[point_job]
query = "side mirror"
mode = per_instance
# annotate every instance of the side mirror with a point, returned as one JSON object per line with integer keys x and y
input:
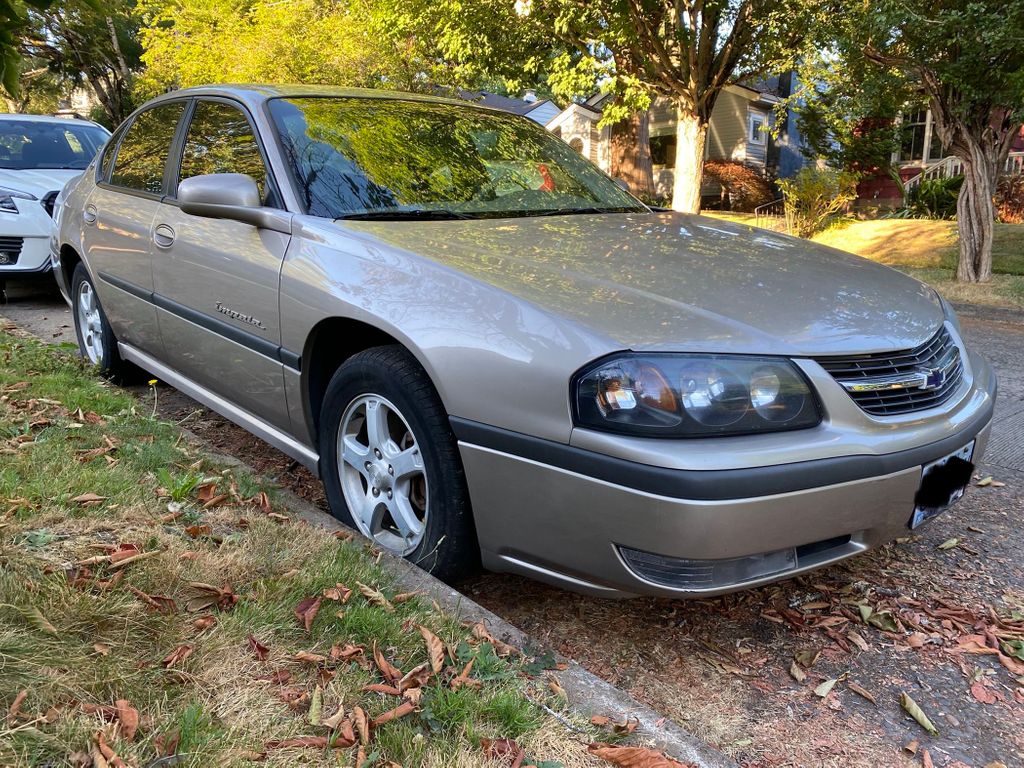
{"x": 230, "y": 196}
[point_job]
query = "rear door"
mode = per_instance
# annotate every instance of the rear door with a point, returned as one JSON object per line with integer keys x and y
{"x": 118, "y": 220}
{"x": 216, "y": 281}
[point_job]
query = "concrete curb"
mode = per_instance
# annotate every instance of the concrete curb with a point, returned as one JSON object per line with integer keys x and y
{"x": 587, "y": 694}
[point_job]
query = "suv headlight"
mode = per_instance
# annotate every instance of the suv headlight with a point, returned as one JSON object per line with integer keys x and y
{"x": 7, "y": 199}
{"x": 684, "y": 395}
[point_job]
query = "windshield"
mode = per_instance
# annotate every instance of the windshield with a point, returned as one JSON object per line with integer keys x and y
{"x": 37, "y": 144}
{"x": 387, "y": 158}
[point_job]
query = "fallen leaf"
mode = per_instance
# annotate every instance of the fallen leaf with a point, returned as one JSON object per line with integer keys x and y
{"x": 390, "y": 672}
{"x": 310, "y": 658}
{"x": 128, "y": 719}
{"x": 346, "y": 652}
{"x": 926, "y": 759}
{"x": 858, "y": 640}
{"x": 316, "y": 706}
{"x": 319, "y": 742}
{"x": 984, "y": 481}
{"x": 481, "y": 633}
{"x": 556, "y": 688}
{"x": 825, "y": 688}
{"x": 339, "y": 593}
{"x": 632, "y": 757}
{"x": 206, "y": 491}
{"x": 195, "y": 531}
{"x": 208, "y": 596}
{"x": 505, "y": 751}
{"x": 258, "y": 648}
{"x": 123, "y": 552}
{"x": 306, "y": 611}
{"x": 983, "y": 693}
{"x": 401, "y": 710}
{"x": 917, "y": 713}
{"x": 949, "y": 543}
{"x": 88, "y": 499}
{"x": 12, "y": 711}
{"x": 376, "y": 597}
{"x": 435, "y": 649}
{"x": 362, "y": 724}
{"x": 404, "y": 597}
{"x": 177, "y": 656}
{"x": 102, "y": 649}
{"x": 334, "y": 720}
{"x": 601, "y": 721}
{"x": 204, "y": 622}
{"x": 798, "y": 674}
{"x": 416, "y": 677}
{"x": 858, "y": 689}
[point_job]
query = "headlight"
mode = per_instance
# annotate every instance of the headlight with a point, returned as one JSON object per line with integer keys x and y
{"x": 678, "y": 396}
{"x": 7, "y": 199}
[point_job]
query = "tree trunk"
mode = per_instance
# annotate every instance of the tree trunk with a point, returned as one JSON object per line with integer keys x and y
{"x": 691, "y": 136}
{"x": 975, "y": 214}
{"x": 631, "y": 154}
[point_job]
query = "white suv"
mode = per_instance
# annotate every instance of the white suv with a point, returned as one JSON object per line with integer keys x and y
{"x": 38, "y": 156}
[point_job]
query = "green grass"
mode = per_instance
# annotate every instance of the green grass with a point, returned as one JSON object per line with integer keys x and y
{"x": 76, "y": 638}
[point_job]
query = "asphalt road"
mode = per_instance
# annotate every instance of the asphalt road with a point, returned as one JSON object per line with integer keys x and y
{"x": 721, "y": 668}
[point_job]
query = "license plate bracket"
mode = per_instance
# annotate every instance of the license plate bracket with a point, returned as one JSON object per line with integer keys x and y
{"x": 943, "y": 483}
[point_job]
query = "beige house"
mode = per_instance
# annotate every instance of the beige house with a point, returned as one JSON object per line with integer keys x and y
{"x": 739, "y": 131}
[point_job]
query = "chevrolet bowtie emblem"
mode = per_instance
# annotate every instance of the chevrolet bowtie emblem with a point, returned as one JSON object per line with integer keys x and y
{"x": 934, "y": 378}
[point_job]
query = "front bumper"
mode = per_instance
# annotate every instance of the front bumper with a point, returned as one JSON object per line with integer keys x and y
{"x": 610, "y": 527}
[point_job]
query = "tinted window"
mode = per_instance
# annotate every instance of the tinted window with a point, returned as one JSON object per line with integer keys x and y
{"x": 220, "y": 140}
{"x": 353, "y": 156}
{"x": 142, "y": 153}
{"x": 48, "y": 144}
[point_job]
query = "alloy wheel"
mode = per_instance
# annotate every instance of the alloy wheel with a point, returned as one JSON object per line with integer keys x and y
{"x": 382, "y": 474}
{"x": 90, "y": 323}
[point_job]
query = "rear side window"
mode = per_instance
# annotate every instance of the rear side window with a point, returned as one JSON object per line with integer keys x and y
{"x": 142, "y": 153}
{"x": 221, "y": 140}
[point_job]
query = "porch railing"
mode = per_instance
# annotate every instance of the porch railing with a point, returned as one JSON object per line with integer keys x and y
{"x": 953, "y": 166}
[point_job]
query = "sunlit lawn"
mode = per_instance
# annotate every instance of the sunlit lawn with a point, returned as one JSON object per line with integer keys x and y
{"x": 928, "y": 250}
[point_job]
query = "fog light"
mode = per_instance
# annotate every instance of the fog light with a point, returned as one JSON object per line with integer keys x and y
{"x": 680, "y": 573}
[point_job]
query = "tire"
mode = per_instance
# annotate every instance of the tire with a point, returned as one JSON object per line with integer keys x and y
{"x": 415, "y": 474}
{"x": 96, "y": 340}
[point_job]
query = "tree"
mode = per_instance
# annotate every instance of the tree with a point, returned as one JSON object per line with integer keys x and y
{"x": 85, "y": 43}
{"x": 967, "y": 59}
{"x": 631, "y": 154}
{"x": 686, "y": 51}
{"x": 12, "y": 23}
{"x": 190, "y": 42}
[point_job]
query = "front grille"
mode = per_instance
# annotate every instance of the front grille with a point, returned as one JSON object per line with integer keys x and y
{"x": 48, "y": 201}
{"x": 890, "y": 383}
{"x": 10, "y": 249}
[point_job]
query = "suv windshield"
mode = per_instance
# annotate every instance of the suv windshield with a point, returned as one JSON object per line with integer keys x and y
{"x": 38, "y": 144}
{"x": 388, "y": 158}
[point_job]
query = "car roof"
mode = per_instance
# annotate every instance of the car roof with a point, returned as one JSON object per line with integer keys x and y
{"x": 47, "y": 119}
{"x": 253, "y": 94}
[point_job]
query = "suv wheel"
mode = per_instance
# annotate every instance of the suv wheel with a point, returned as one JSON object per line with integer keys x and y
{"x": 390, "y": 465}
{"x": 96, "y": 340}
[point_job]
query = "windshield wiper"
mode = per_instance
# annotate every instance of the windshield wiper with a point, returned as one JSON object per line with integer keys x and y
{"x": 406, "y": 214}
{"x": 583, "y": 210}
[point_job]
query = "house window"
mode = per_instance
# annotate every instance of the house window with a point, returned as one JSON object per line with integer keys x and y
{"x": 756, "y": 124}
{"x": 663, "y": 151}
{"x": 577, "y": 144}
{"x": 914, "y": 135}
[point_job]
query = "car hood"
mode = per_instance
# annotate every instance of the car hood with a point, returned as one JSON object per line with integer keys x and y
{"x": 669, "y": 281}
{"x": 37, "y": 182}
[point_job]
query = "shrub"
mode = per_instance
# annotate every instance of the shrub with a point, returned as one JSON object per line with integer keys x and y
{"x": 746, "y": 187}
{"x": 934, "y": 198}
{"x": 814, "y": 196}
{"x": 1010, "y": 200}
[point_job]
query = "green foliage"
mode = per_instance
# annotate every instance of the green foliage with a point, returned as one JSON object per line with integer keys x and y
{"x": 934, "y": 198}
{"x": 813, "y": 197}
{"x": 193, "y": 42}
{"x": 845, "y": 109}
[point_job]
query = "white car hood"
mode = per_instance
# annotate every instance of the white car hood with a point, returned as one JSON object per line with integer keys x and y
{"x": 37, "y": 182}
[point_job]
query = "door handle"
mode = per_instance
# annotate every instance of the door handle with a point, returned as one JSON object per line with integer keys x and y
{"x": 163, "y": 236}
{"x": 89, "y": 214}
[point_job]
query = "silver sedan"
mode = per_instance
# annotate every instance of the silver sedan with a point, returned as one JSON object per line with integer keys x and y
{"x": 491, "y": 354}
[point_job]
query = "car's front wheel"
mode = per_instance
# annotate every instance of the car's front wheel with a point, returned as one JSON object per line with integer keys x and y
{"x": 96, "y": 340}
{"x": 390, "y": 465}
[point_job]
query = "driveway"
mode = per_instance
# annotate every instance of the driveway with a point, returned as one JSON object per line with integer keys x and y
{"x": 727, "y": 669}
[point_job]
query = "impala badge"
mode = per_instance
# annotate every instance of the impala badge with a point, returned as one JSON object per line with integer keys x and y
{"x": 239, "y": 316}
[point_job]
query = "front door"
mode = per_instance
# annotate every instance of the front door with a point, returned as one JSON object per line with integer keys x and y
{"x": 216, "y": 281}
{"x": 118, "y": 220}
